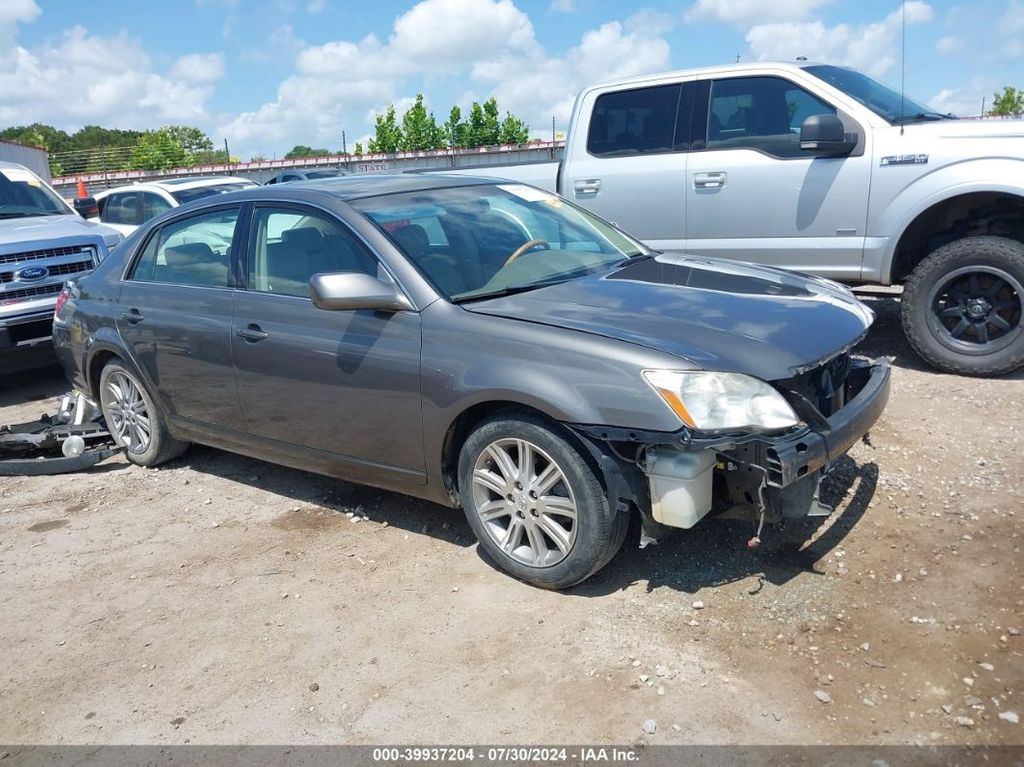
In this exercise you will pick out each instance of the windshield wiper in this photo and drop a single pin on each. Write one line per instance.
(509, 290)
(929, 116)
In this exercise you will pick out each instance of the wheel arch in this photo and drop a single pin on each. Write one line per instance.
(953, 215)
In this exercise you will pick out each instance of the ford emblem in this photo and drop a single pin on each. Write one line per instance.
(31, 273)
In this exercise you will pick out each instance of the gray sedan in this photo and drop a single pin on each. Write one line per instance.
(478, 343)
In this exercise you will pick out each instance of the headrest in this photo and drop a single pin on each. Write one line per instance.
(305, 237)
(188, 253)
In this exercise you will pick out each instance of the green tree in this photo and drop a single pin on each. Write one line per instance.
(492, 123)
(359, 149)
(301, 150)
(455, 132)
(476, 128)
(1009, 102)
(388, 135)
(513, 130)
(157, 150)
(419, 130)
(192, 140)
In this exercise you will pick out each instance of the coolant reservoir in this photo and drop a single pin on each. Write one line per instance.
(680, 484)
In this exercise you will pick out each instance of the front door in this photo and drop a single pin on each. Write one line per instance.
(175, 316)
(344, 383)
(753, 195)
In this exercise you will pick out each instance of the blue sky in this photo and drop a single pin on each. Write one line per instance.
(268, 74)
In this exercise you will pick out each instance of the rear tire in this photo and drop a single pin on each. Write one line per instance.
(961, 307)
(536, 506)
(133, 419)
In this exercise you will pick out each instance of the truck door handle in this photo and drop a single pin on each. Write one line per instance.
(715, 180)
(586, 186)
(252, 333)
(132, 316)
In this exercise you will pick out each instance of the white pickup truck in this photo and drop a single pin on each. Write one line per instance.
(824, 170)
(43, 242)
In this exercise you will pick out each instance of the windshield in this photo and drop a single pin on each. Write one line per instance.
(880, 99)
(476, 242)
(188, 195)
(23, 194)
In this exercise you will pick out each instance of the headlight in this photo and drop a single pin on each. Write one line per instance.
(708, 401)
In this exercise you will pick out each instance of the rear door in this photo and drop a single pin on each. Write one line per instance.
(175, 316)
(342, 383)
(631, 169)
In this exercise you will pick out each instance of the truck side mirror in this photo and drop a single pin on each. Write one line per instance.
(825, 135)
(86, 207)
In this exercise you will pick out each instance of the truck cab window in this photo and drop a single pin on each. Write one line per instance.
(638, 121)
(760, 113)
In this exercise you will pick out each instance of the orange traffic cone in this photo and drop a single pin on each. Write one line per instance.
(81, 189)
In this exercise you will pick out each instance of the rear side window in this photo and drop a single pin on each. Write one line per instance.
(760, 113)
(153, 205)
(639, 121)
(290, 245)
(122, 208)
(195, 251)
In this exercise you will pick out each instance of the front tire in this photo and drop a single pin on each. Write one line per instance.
(536, 506)
(133, 419)
(961, 307)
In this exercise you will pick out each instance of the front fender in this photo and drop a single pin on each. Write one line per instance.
(993, 174)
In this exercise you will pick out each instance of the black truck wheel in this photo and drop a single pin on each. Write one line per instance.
(961, 307)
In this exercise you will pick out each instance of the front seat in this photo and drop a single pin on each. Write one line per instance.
(414, 242)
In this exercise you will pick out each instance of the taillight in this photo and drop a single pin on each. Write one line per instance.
(61, 300)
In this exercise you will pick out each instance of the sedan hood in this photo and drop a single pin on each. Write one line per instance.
(720, 315)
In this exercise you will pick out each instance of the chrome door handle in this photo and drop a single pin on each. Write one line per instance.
(132, 316)
(251, 333)
(587, 185)
(715, 180)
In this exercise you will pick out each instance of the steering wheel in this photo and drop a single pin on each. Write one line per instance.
(525, 247)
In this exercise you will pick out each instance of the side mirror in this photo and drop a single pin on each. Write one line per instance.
(86, 207)
(355, 290)
(825, 135)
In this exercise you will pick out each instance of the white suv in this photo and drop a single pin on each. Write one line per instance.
(125, 208)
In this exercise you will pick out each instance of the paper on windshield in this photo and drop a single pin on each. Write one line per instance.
(19, 175)
(530, 194)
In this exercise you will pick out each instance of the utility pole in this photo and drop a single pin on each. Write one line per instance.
(344, 144)
(227, 154)
(983, 107)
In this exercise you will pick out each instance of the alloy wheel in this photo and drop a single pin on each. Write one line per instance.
(525, 503)
(977, 307)
(128, 416)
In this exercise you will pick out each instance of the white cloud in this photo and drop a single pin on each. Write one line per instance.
(82, 78)
(948, 44)
(964, 101)
(873, 47)
(315, 6)
(490, 43)
(563, 6)
(199, 67)
(753, 11)
(1011, 29)
(281, 44)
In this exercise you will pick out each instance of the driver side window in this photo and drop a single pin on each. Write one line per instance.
(290, 245)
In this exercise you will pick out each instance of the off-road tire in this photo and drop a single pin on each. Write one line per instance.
(921, 325)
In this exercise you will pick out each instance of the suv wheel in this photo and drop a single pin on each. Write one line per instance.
(961, 307)
(536, 506)
(133, 419)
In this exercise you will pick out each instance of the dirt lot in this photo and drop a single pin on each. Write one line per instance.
(224, 600)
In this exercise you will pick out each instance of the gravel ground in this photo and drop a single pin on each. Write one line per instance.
(225, 600)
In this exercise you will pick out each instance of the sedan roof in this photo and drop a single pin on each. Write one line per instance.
(374, 184)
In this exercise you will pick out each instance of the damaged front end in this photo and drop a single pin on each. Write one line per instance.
(674, 480)
(73, 439)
